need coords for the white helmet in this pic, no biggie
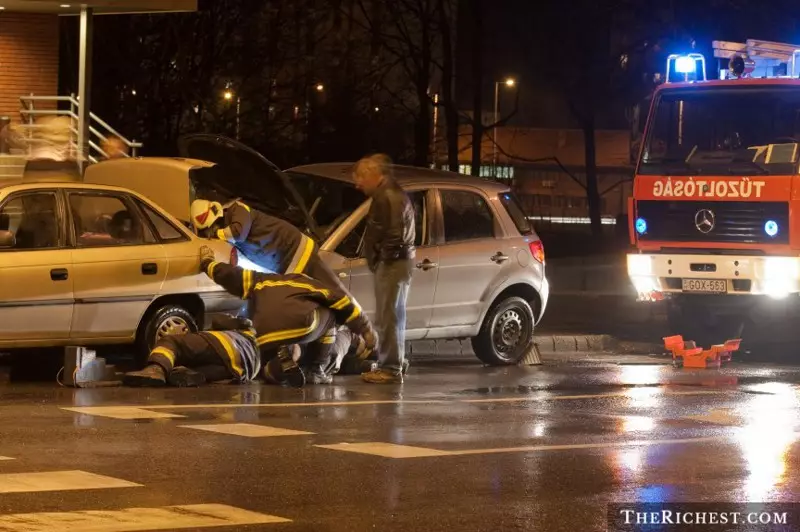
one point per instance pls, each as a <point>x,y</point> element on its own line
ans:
<point>204,213</point>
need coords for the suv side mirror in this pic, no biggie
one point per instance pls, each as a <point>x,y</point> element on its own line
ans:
<point>7,240</point>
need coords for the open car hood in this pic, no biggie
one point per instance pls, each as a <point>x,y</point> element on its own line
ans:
<point>239,172</point>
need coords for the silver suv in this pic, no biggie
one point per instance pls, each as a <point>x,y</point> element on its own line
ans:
<point>480,265</point>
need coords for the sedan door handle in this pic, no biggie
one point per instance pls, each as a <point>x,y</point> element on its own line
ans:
<point>499,257</point>
<point>149,268</point>
<point>59,274</point>
<point>426,265</point>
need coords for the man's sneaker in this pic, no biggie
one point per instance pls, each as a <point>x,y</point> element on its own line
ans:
<point>381,376</point>
<point>183,377</point>
<point>406,364</point>
<point>152,375</point>
<point>319,378</point>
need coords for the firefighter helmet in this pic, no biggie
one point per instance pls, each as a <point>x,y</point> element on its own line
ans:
<point>204,213</point>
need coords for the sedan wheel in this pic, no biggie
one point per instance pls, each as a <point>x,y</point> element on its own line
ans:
<point>506,334</point>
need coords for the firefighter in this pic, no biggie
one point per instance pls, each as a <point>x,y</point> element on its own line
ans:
<point>294,309</point>
<point>228,352</point>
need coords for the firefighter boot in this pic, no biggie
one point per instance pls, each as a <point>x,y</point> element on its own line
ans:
<point>283,369</point>
<point>152,375</point>
<point>183,377</point>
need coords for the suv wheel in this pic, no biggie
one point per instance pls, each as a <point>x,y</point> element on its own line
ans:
<point>506,333</point>
<point>166,321</point>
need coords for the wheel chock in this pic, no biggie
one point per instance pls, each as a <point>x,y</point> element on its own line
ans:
<point>688,355</point>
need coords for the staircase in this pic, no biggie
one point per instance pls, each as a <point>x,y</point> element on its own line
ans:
<point>35,108</point>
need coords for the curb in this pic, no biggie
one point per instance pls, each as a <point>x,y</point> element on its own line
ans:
<point>548,344</point>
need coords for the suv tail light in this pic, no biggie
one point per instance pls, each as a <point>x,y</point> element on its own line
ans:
<point>234,257</point>
<point>537,250</point>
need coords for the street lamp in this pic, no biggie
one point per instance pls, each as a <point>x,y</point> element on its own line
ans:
<point>228,95</point>
<point>508,82</point>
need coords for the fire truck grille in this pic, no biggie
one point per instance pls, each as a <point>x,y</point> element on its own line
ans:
<point>699,221</point>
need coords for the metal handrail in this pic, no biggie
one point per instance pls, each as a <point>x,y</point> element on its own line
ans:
<point>99,129</point>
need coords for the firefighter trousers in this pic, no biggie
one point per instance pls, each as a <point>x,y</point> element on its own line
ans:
<point>318,344</point>
<point>192,351</point>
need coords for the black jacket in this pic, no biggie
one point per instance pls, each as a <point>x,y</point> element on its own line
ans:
<point>284,307</point>
<point>390,230</point>
<point>268,241</point>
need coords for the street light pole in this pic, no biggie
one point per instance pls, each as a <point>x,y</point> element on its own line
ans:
<point>509,82</point>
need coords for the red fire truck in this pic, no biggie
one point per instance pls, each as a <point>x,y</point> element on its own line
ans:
<point>715,212</point>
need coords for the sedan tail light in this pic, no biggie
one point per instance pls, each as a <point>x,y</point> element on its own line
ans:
<point>537,250</point>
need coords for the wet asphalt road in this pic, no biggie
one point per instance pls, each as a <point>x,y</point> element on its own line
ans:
<point>457,447</point>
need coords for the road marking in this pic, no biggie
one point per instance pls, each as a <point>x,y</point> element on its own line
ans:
<point>122,412</point>
<point>247,430</point>
<point>59,481</point>
<point>2,458</point>
<point>134,519</point>
<point>390,450</point>
<point>147,412</point>
<point>387,450</point>
<point>720,416</point>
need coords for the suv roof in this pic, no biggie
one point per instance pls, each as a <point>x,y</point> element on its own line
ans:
<point>405,175</point>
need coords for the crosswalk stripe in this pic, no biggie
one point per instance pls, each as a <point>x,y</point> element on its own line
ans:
<point>248,430</point>
<point>122,412</point>
<point>58,481</point>
<point>135,519</point>
<point>390,450</point>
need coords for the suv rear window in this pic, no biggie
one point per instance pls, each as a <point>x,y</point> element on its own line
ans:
<point>514,209</point>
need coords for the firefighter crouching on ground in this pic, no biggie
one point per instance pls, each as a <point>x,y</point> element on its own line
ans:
<point>294,309</point>
<point>229,352</point>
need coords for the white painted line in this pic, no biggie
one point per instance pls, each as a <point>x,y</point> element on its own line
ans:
<point>387,450</point>
<point>247,430</point>
<point>2,458</point>
<point>146,412</point>
<point>390,450</point>
<point>121,412</point>
<point>59,481</point>
<point>136,519</point>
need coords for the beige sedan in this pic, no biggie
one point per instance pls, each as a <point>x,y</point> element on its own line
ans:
<point>88,264</point>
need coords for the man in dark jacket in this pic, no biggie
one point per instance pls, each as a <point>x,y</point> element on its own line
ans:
<point>294,309</point>
<point>228,352</point>
<point>389,248</point>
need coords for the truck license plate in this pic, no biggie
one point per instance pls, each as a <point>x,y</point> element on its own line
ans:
<point>712,286</point>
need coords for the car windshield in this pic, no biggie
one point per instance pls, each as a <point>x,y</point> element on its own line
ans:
<point>329,201</point>
<point>724,131</point>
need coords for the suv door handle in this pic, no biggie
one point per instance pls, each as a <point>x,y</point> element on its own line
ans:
<point>426,265</point>
<point>149,268</point>
<point>342,275</point>
<point>499,257</point>
<point>59,274</point>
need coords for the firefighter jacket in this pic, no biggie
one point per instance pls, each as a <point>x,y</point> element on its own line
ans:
<point>284,307</point>
<point>268,241</point>
<point>235,341</point>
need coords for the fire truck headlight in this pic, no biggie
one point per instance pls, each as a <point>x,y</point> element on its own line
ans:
<point>640,265</point>
<point>641,226</point>
<point>771,228</point>
<point>780,276</point>
<point>685,65</point>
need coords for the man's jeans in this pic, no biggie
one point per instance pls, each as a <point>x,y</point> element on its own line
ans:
<point>392,282</point>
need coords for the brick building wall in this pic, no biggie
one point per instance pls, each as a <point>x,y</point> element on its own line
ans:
<point>28,58</point>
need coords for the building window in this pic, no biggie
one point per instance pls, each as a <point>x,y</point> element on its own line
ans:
<point>501,172</point>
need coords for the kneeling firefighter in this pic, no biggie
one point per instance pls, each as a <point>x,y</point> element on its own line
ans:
<point>229,352</point>
<point>294,309</point>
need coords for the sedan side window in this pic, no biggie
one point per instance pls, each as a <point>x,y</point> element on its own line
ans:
<point>352,247</point>
<point>33,220</point>
<point>102,220</point>
<point>467,216</point>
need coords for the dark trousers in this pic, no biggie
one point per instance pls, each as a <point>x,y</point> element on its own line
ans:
<point>193,351</point>
<point>318,344</point>
<point>392,282</point>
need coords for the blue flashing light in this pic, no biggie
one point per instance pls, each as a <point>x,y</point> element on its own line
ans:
<point>685,65</point>
<point>771,228</point>
<point>641,226</point>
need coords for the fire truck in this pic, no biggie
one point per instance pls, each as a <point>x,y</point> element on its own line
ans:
<point>715,212</point>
